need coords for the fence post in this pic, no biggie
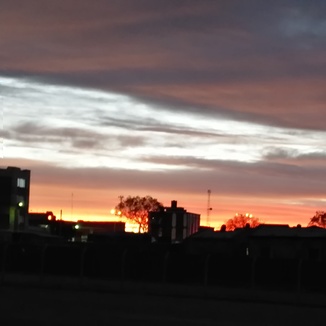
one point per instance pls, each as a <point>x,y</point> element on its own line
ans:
<point>253,272</point>
<point>165,266</point>
<point>206,268</point>
<point>123,266</point>
<point>4,260</point>
<point>42,263</point>
<point>299,276</point>
<point>82,264</point>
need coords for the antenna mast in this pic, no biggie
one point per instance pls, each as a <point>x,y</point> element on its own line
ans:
<point>209,208</point>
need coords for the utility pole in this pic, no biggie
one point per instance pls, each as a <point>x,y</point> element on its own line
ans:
<point>209,208</point>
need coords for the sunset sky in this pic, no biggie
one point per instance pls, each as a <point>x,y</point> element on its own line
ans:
<point>167,98</point>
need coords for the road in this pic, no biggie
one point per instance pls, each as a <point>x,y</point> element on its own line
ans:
<point>57,307</point>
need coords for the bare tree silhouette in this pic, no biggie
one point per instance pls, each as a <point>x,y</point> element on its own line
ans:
<point>240,221</point>
<point>136,209</point>
<point>319,219</point>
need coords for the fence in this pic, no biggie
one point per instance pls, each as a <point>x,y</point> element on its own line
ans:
<point>150,264</point>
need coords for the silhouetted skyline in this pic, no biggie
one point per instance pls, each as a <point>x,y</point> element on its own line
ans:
<point>167,99</point>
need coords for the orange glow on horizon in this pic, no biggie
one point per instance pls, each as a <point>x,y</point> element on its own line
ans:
<point>215,221</point>
<point>96,205</point>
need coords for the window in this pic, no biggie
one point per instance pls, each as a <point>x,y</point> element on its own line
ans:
<point>185,220</point>
<point>174,220</point>
<point>21,183</point>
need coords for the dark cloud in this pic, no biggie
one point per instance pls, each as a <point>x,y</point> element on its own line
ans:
<point>33,133</point>
<point>273,153</point>
<point>252,60</point>
<point>258,179</point>
<point>4,134</point>
<point>131,141</point>
<point>312,160</point>
<point>154,125</point>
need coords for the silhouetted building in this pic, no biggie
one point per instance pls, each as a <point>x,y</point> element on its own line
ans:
<point>173,224</point>
<point>47,223</point>
<point>284,242</point>
<point>266,241</point>
<point>72,231</point>
<point>121,240</point>
<point>86,228</point>
<point>37,219</point>
<point>224,243</point>
<point>44,222</point>
<point>14,198</point>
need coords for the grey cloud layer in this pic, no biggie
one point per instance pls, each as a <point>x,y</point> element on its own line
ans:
<point>252,60</point>
<point>227,178</point>
<point>79,139</point>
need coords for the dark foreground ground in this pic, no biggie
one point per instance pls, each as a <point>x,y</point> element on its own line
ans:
<point>26,305</point>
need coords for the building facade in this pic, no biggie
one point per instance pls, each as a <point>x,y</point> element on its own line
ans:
<point>172,224</point>
<point>14,198</point>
